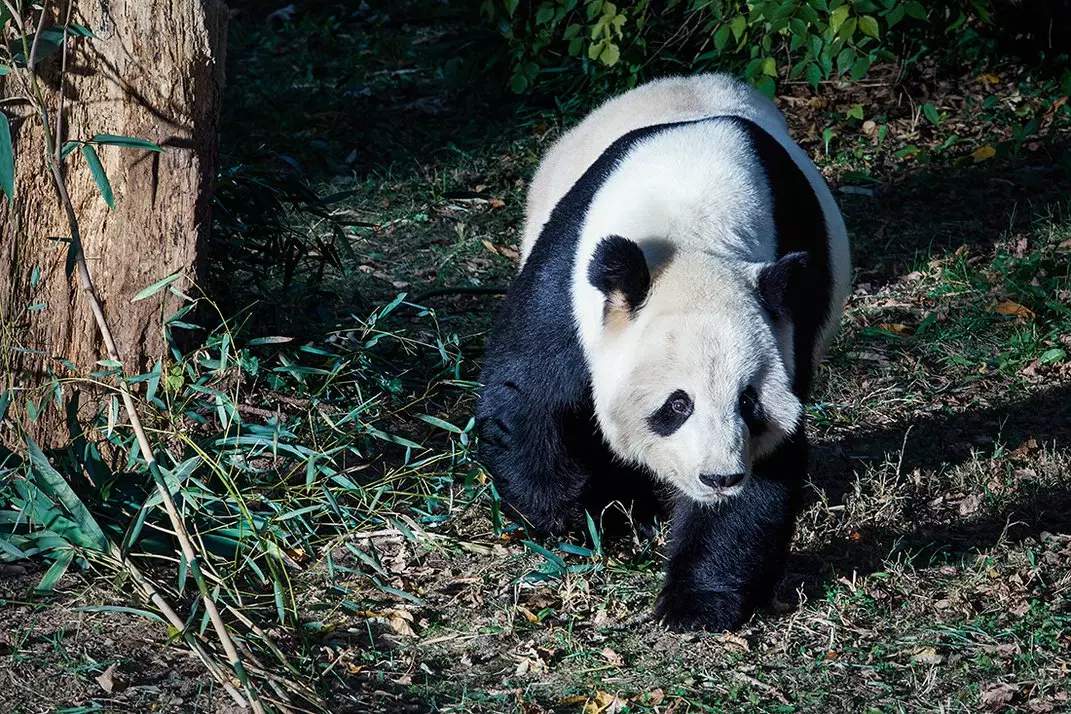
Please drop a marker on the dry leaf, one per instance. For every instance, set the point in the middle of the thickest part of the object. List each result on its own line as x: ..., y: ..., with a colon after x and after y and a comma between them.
x: 983, y: 153
x: 490, y: 246
x: 1010, y: 307
x: 998, y: 694
x: 1024, y: 448
x: 728, y: 638
x: 969, y: 505
x: 612, y: 657
x: 573, y: 700
x: 988, y: 78
x: 528, y: 614
x: 895, y: 328
x: 927, y: 655
x: 603, y: 702
x: 652, y: 698
x: 111, y: 681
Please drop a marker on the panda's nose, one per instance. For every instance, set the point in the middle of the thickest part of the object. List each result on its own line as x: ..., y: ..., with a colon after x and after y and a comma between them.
x: 721, y: 480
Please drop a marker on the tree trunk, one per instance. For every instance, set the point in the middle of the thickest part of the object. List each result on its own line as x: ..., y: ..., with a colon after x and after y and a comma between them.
x: 155, y: 72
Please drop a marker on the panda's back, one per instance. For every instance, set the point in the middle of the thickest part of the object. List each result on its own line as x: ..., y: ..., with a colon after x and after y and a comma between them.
x: 670, y: 100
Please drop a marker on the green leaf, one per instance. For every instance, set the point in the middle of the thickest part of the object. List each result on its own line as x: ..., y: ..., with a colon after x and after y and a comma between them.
x: 860, y: 68
x: 738, y: 25
x: 766, y: 85
x: 848, y: 29
x: 610, y: 54
x: 156, y: 287
x: 721, y: 37
x: 845, y: 60
x: 869, y: 26
x: 7, y: 160
x: 56, y: 487
x: 837, y: 18
x: 127, y: 141
x: 915, y: 10
x: 53, y: 574
x: 895, y: 15
x: 511, y: 6
x: 769, y: 67
x: 545, y: 14
x: 119, y: 608
x: 435, y: 421
x: 1052, y: 356
x: 553, y: 558
x: 931, y: 113
x: 518, y: 83
x: 814, y: 74
x: 99, y: 176
x: 4, y: 69
x: 856, y: 112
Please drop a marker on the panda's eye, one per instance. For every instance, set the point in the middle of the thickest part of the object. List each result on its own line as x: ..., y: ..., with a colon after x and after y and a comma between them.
x: 672, y: 414
x: 752, y: 412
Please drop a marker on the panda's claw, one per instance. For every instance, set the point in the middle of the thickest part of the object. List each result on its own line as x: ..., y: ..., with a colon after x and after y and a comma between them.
x: 686, y: 609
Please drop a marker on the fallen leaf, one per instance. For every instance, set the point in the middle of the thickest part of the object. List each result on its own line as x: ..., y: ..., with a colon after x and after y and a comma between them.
x: 573, y: 700
x: 1010, y: 307
x: 997, y: 695
x: 969, y: 505
x: 490, y: 246
x: 528, y: 614
x: 983, y: 153
x: 1024, y: 448
x: 652, y: 698
x: 110, y: 681
x: 988, y: 78
x: 728, y: 638
x: 612, y: 657
x: 895, y: 328
x: 604, y: 703
x: 927, y: 655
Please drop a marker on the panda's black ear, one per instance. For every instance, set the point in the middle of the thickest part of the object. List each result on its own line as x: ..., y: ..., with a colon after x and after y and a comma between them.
x: 784, y: 285
x: 619, y: 270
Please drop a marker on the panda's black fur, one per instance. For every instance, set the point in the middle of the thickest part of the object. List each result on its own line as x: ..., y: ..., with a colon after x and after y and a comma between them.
x: 540, y: 439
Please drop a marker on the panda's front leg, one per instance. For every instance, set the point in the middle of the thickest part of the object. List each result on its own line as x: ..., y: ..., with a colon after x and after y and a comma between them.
x: 522, y: 441
x: 726, y: 558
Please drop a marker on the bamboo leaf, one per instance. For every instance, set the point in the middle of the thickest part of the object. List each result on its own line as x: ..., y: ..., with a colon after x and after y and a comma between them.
x: 7, y: 160
x: 127, y: 141
x: 53, y: 574
x: 55, y: 486
x: 99, y: 176
x: 156, y: 287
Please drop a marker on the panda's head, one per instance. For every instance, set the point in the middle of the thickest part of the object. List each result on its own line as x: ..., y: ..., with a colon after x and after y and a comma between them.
x: 692, y: 363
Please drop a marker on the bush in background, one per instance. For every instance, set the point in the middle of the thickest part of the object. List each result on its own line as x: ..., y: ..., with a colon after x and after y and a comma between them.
x: 764, y: 41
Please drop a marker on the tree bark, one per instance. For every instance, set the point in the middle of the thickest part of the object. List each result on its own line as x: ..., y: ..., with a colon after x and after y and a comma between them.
x: 155, y: 72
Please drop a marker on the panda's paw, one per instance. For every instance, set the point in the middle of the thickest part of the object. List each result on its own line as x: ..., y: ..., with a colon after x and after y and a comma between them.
x: 684, y: 608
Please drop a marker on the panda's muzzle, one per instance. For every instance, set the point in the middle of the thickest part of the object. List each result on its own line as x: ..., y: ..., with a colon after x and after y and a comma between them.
x: 721, y: 480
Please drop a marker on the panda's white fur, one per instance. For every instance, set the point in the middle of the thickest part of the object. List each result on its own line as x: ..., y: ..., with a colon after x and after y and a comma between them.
x: 671, y: 99
x: 700, y: 208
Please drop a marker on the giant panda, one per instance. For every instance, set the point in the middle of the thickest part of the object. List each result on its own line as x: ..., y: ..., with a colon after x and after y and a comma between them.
x: 684, y: 267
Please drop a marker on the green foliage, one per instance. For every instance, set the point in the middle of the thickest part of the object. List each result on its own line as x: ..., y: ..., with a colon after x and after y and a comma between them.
x: 7, y: 160
x: 767, y: 40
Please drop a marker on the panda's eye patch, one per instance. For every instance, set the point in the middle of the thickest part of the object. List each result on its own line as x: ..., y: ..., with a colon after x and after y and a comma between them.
x: 752, y: 412
x: 672, y: 414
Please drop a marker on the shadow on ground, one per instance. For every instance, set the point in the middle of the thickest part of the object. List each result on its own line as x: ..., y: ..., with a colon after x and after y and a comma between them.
x: 930, y: 446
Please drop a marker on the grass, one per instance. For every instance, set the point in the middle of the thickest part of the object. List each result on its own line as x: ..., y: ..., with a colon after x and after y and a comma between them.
x: 319, y: 434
